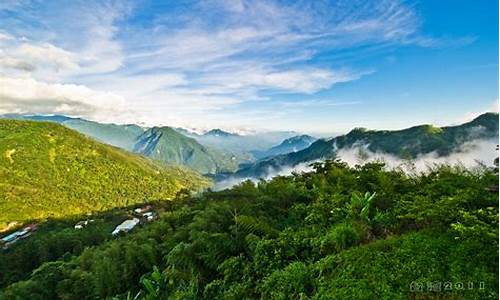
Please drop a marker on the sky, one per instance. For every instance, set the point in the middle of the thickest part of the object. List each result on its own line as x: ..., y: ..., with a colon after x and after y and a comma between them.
x: 310, y: 66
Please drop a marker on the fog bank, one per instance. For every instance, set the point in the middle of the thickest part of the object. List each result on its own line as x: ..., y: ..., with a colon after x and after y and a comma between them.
x: 471, y: 154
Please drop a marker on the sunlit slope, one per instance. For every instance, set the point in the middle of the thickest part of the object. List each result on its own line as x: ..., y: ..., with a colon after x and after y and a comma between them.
x: 47, y: 170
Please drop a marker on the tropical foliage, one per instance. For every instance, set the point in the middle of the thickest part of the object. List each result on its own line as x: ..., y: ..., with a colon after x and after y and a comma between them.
x: 335, y: 233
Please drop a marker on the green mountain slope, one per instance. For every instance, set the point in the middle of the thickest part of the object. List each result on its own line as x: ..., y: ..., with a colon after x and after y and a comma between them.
x: 406, y: 143
x: 48, y: 170
x: 167, y: 145
x: 122, y: 136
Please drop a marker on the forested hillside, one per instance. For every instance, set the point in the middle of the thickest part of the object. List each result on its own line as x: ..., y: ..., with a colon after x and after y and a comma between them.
x: 336, y: 233
x: 48, y: 170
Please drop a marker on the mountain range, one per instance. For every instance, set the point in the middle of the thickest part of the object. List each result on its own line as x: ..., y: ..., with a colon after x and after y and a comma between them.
x: 221, y: 153
x: 407, y: 144
x: 181, y: 147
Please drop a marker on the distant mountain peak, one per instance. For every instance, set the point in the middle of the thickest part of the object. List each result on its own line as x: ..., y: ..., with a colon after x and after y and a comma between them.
x: 297, y: 138
x: 292, y: 144
x: 484, y: 118
x: 219, y: 132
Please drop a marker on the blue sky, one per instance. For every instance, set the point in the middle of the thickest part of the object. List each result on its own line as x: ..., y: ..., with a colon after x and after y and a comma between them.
x: 311, y: 66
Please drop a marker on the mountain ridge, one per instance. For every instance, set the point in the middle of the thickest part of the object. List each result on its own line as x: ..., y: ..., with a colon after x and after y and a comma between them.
x: 293, y: 144
x: 168, y: 145
x: 404, y: 143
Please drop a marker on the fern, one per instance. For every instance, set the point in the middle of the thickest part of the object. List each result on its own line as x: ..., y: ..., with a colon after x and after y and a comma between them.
x: 255, y: 226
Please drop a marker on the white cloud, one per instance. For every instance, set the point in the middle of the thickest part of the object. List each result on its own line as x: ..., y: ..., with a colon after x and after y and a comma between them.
x: 27, y: 95
x: 84, y: 30
x: 305, y: 80
x: 469, y: 155
x: 321, y: 103
x: 270, y: 174
x: 42, y: 60
x: 264, y: 35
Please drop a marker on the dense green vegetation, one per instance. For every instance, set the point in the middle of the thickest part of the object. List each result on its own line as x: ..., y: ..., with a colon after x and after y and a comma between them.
x: 55, y: 239
x: 406, y: 143
x: 58, y: 239
x: 48, y: 170
x: 336, y: 233
x: 168, y: 145
x: 121, y: 136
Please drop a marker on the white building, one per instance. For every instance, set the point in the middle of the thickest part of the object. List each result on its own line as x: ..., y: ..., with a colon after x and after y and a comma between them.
x: 126, y: 226
x: 82, y: 224
x: 149, y: 216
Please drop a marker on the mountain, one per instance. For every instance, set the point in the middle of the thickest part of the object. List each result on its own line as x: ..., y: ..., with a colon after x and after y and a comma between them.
x: 418, y: 140
x: 289, y: 145
x: 185, y: 132
x: 226, y: 150
x: 48, y: 170
x: 219, y: 133
x: 51, y: 118
x: 122, y: 136
x: 407, y: 143
x: 246, y: 148
x: 242, y: 149
x: 168, y: 145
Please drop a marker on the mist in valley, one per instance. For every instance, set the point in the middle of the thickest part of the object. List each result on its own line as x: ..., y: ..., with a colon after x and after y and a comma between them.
x: 472, y: 154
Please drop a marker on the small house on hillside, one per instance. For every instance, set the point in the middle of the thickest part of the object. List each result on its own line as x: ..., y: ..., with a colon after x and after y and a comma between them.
x: 82, y: 224
x: 149, y: 216
x: 17, y: 235
x: 126, y: 226
x: 144, y: 209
